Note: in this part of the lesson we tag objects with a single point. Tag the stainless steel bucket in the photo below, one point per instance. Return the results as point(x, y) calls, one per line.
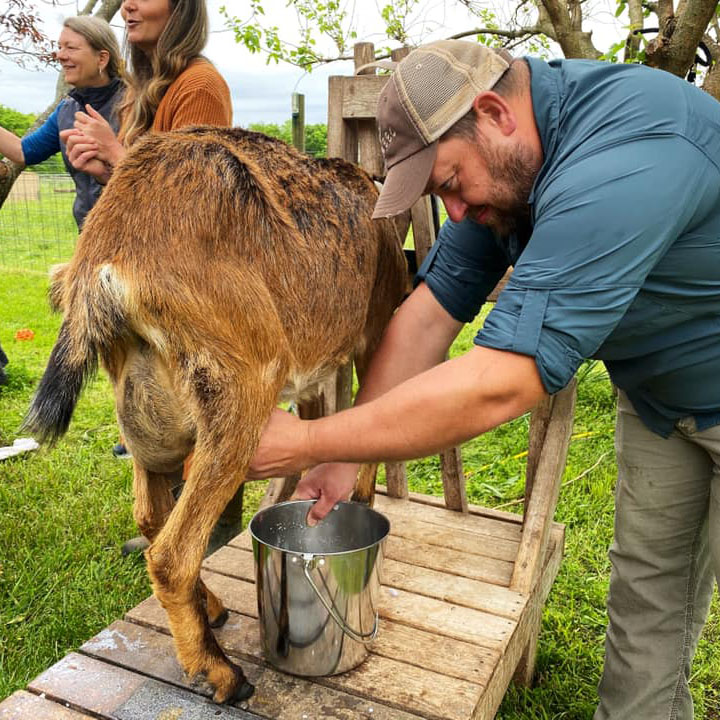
point(317, 587)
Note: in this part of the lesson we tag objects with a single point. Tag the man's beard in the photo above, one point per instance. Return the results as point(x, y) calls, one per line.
point(513, 171)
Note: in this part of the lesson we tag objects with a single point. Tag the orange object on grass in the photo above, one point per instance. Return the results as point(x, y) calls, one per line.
point(24, 334)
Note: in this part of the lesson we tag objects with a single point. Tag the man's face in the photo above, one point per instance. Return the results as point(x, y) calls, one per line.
point(486, 180)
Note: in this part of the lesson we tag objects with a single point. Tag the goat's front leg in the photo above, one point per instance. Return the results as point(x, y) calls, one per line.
point(154, 501)
point(174, 560)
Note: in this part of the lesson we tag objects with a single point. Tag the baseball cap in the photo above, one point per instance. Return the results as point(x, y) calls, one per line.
point(429, 91)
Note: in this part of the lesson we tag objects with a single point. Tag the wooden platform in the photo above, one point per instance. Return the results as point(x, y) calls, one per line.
point(451, 635)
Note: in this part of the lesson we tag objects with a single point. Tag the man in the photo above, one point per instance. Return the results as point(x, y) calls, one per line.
point(600, 184)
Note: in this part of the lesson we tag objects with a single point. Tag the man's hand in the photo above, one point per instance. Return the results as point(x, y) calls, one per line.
point(284, 447)
point(330, 483)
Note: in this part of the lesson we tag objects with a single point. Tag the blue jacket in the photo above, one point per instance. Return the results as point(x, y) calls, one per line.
point(622, 261)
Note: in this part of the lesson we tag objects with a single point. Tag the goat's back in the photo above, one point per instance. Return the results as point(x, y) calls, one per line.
point(209, 225)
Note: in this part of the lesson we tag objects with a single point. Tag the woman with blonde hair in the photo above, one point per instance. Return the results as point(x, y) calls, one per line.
point(170, 84)
point(89, 55)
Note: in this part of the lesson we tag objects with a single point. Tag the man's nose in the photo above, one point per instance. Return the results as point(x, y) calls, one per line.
point(456, 208)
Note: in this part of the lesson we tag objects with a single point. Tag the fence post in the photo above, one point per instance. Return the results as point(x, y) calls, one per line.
point(298, 121)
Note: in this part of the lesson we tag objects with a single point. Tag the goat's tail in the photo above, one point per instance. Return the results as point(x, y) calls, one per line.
point(93, 324)
point(55, 399)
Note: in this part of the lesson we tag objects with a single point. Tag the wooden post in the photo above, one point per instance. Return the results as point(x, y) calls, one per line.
point(298, 121)
point(369, 154)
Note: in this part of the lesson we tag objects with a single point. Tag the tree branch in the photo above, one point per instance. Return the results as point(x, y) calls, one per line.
point(680, 34)
point(711, 83)
point(632, 44)
point(575, 43)
point(510, 34)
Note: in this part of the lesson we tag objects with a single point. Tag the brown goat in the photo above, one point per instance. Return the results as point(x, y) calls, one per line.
point(220, 271)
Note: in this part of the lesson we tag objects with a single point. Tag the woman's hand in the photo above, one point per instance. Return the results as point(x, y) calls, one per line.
point(96, 128)
point(82, 153)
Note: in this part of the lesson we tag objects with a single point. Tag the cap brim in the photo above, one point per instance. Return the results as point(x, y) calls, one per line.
point(405, 182)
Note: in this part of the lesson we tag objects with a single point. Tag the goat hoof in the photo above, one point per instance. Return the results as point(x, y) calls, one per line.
point(220, 620)
point(244, 691)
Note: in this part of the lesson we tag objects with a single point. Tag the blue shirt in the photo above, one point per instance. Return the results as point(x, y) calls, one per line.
point(622, 262)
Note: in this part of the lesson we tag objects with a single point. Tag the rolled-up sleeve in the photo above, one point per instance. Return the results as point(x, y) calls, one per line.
point(462, 268)
point(601, 226)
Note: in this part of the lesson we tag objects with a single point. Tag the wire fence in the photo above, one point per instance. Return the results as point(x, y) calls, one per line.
point(37, 228)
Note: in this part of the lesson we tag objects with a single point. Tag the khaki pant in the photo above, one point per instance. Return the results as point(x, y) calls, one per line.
point(665, 557)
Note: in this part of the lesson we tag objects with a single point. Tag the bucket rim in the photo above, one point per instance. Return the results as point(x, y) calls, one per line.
point(309, 504)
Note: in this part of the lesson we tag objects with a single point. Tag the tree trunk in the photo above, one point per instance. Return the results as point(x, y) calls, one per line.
point(680, 34)
point(9, 171)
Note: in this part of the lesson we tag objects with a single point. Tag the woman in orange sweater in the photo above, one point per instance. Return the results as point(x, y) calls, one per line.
point(170, 86)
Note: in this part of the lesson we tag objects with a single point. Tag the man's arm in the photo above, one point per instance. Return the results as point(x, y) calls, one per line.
point(444, 406)
point(417, 338)
point(408, 408)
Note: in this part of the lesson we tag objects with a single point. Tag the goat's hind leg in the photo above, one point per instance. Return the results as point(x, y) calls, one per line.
point(227, 435)
point(154, 500)
point(174, 561)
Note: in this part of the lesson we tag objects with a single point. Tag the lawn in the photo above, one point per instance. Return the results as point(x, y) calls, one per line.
point(65, 512)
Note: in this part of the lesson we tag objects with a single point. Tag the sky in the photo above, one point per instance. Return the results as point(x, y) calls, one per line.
point(260, 92)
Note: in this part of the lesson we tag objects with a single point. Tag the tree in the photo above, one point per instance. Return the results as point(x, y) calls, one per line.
point(15, 121)
point(661, 33)
point(21, 37)
point(315, 135)
point(9, 170)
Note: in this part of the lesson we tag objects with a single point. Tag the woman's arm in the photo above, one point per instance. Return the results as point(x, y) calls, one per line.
point(11, 146)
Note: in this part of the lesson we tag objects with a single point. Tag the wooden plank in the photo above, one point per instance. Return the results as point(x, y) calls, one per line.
point(477, 567)
point(238, 563)
point(240, 636)
point(409, 608)
point(396, 480)
point(438, 515)
point(26, 706)
point(539, 421)
point(389, 687)
point(447, 620)
point(369, 153)
point(426, 506)
point(470, 541)
point(528, 625)
point(114, 693)
point(541, 508)
point(474, 594)
point(359, 95)
point(423, 230)
point(434, 557)
point(342, 135)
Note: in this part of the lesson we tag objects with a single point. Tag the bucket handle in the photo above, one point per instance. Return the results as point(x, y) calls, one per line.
point(308, 563)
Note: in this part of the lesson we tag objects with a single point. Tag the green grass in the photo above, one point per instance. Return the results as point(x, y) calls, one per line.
point(37, 232)
point(66, 511)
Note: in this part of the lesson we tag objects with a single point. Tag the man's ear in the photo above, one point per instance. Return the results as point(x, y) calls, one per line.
point(494, 109)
